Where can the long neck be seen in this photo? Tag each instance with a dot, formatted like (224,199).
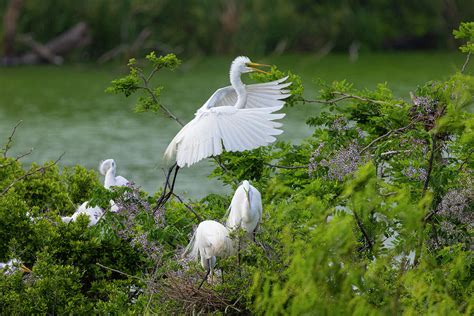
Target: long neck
(109,178)
(239,87)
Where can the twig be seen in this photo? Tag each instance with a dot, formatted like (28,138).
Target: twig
(344,96)
(26,175)
(285,167)
(199,218)
(8,145)
(118,271)
(17,158)
(155,99)
(387,134)
(466,62)
(362,229)
(430,163)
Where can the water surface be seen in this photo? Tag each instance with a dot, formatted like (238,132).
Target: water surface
(65,109)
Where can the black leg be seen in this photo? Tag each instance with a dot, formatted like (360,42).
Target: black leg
(207,274)
(165,195)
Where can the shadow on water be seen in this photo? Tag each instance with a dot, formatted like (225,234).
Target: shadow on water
(66,110)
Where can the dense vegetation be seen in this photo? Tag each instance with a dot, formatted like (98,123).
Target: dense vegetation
(376,169)
(250,26)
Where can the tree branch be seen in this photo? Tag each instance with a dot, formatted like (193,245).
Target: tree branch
(387,134)
(430,163)
(118,271)
(344,96)
(285,167)
(466,62)
(8,145)
(30,173)
(364,232)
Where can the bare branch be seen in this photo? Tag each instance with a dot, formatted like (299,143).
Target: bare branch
(466,62)
(30,173)
(17,158)
(199,218)
(285,167)
(364,232)
(8,145)
(344,96)
(398,130)
(118,271)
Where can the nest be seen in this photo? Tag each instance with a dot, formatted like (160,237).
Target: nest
(184,290)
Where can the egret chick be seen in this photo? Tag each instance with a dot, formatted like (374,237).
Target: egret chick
(210,240)
(108,168)
(93,213)
(12,266)
(245,208)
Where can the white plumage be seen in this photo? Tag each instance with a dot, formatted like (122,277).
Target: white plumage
(108,169)
(245,208)
(235,118)
(210,240)
(12,266)
(93,213)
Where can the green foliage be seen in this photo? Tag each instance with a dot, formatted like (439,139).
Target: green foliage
(466,32)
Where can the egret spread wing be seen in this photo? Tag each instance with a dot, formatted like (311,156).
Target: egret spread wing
(224,126)
(260,95)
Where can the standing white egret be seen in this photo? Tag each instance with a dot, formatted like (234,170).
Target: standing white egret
(210,240)
(108,168)
(93,213)
(237,117)
(245,208)
(12,266)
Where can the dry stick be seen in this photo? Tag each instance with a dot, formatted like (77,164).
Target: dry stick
(10,140)
(26,175)
(118,271)
(285,167)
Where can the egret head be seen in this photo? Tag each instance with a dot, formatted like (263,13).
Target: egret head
(243,64)
(106,165)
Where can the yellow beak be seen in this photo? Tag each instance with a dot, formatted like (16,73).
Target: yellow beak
(255,65)
(25,269)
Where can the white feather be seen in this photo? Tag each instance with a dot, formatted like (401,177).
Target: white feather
(93,213)
(245,208)
(239,117)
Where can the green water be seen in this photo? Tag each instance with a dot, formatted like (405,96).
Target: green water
(66,110)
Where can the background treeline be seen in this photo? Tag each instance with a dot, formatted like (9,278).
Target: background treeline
(248,26)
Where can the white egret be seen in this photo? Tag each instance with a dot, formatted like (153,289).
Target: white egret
(12,266)
(108,168)
(237,117)
(93,213)
(245,208)
(210,240)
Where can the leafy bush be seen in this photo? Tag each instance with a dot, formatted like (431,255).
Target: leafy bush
(371,214)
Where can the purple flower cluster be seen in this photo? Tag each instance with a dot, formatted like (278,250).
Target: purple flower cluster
(130,205)
(339,124)
(344,162)
(425,110)
(313,164)
(415,173)
(456,214)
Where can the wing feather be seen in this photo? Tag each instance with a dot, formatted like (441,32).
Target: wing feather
(225,127)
